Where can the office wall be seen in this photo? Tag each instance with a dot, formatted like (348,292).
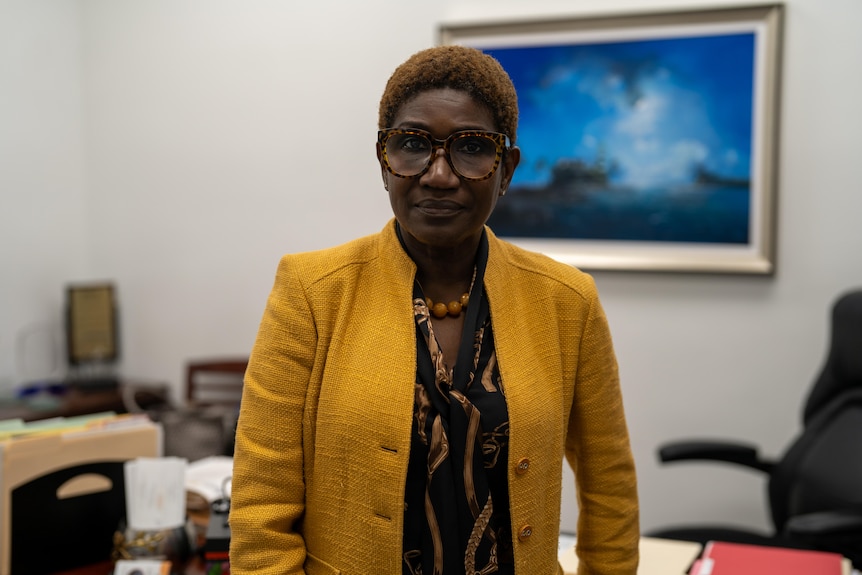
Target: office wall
(43,193)
(219,134)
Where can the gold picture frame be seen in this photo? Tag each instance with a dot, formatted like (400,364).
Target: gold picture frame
(91,324)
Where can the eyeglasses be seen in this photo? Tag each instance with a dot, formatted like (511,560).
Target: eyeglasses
(472,154)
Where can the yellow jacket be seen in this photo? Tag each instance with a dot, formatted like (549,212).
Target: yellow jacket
(324,430)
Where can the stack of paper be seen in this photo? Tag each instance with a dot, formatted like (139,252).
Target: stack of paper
(17,428)
(657,556)
(207,480)
(155,493)
(721,558)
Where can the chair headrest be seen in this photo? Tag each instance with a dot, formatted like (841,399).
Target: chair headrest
(843,368)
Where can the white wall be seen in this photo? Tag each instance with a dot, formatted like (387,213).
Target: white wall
(223,134)
(43,193)
(179,147)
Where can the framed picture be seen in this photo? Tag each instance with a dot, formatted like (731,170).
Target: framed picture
(91,324)
(648,141)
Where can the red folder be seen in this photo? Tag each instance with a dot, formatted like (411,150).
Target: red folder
(720,558)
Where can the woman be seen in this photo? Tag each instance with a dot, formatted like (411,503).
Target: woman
(411,394)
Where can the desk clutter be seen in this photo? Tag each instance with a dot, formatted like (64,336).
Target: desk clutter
(155,523)
(62,488)
(53,399)
(83,490)
(672,557)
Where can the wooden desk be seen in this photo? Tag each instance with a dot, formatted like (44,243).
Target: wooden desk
(84,401)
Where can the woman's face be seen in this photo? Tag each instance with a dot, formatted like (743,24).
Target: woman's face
(439,209)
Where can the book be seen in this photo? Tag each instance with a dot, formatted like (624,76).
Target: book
(723,558)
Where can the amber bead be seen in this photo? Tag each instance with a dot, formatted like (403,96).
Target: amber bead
(440,310)
(454,308)
(465,299)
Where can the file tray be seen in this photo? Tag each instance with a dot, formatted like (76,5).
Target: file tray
(62,495)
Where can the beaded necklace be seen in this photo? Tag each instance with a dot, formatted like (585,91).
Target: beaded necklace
(455,307)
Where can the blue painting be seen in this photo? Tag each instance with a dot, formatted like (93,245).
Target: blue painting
(646,140)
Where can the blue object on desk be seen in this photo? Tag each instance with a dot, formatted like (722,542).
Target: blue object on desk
(29,390)
(42,395)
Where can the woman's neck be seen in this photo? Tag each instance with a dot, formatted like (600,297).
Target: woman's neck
(443,272)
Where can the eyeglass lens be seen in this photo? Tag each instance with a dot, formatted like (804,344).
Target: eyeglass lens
(471,155)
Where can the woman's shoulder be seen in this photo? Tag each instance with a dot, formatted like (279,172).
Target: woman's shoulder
(533,266)
(318,264)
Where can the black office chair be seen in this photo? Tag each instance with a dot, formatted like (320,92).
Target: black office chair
(815,488)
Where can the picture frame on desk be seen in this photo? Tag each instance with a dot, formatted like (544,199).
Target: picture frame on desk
(92,334)
(648,140)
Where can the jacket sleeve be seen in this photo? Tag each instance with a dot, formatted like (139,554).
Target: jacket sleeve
(268,488)
(597,448)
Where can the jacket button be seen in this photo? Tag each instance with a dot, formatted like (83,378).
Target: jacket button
(525,532)
(523,466)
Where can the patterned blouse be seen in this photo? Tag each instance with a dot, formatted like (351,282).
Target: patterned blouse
(456,518)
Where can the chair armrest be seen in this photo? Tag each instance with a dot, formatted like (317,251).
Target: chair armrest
(707,450)
(838,522)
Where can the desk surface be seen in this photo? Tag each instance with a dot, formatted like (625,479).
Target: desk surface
(82,401)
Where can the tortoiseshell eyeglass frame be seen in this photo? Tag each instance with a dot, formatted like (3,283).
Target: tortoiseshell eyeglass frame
(500,140)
